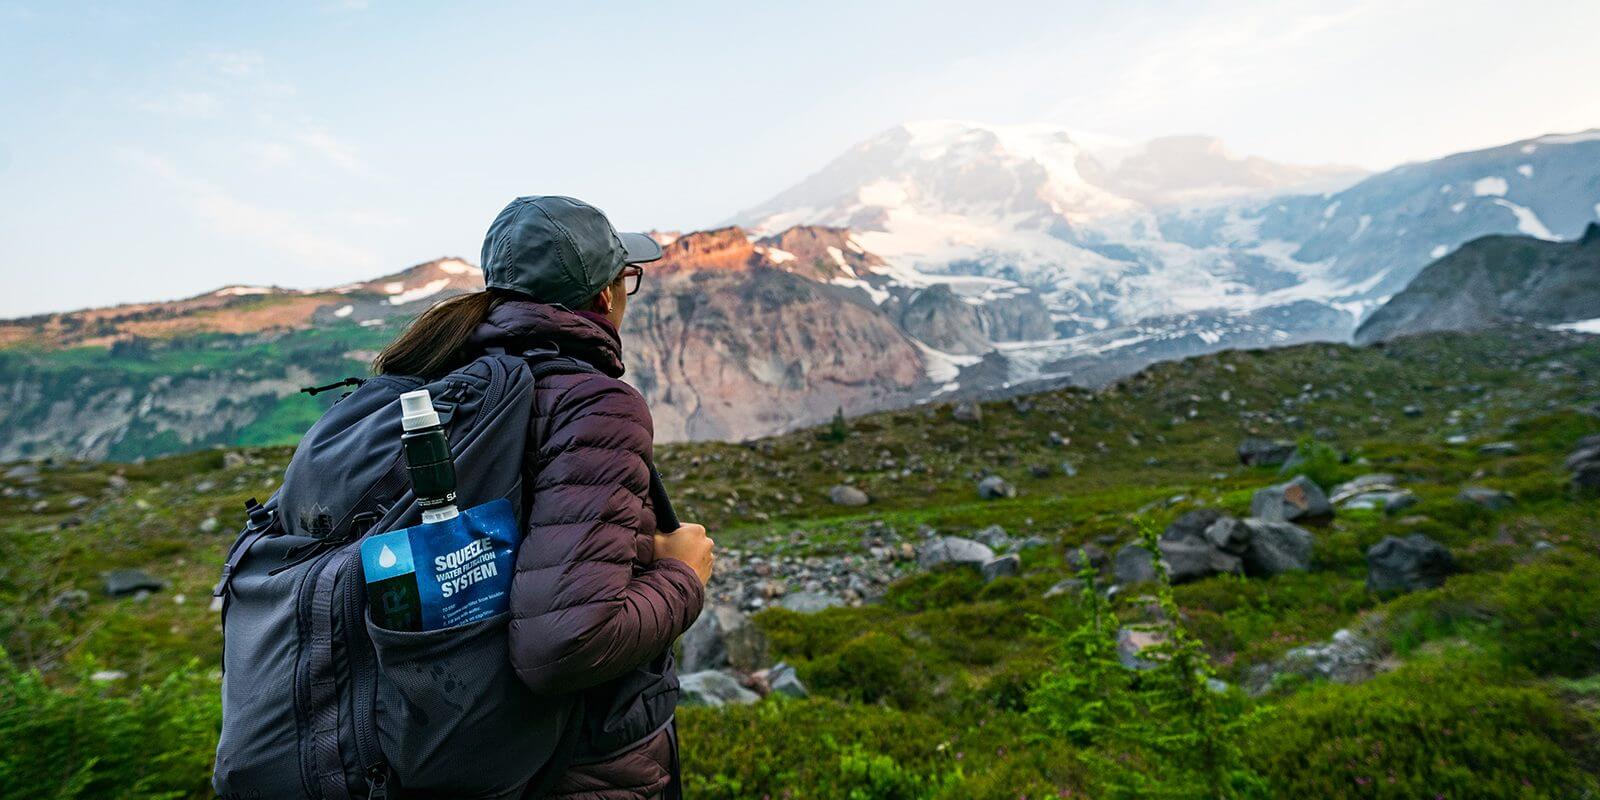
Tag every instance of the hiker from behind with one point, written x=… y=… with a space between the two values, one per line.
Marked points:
x=599 y=594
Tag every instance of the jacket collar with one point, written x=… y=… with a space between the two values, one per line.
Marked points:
x=523 y=325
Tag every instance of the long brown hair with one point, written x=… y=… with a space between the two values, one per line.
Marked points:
x=436 y=342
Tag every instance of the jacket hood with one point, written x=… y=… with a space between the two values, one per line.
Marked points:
x=518 y=325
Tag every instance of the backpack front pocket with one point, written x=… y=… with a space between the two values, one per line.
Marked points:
x=453 y=717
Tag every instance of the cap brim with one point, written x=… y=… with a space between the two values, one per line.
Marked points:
x=638 y=248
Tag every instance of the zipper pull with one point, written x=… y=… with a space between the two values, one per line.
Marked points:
x=377 y=782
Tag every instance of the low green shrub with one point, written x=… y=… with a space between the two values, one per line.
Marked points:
x=1435 y=728
x=1543 y=615
x=872 y=668
x=156 y=743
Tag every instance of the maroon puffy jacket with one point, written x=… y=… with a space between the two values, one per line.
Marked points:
x=592 y=613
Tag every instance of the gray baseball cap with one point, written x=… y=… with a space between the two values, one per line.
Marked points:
x=559 y=250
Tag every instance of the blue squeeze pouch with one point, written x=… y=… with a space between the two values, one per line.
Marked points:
x=442 y=574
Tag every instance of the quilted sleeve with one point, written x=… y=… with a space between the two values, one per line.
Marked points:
x=587 y=602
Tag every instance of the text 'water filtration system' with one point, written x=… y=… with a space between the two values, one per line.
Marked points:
x=454 y=568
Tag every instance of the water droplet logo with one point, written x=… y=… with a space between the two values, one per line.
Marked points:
x=386 y=558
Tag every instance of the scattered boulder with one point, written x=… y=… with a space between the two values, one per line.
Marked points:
x=994 y=536
x=1255 y=452
x=1492 y=499
x=995 y=487
x=124 y=582
x=210 y=525
x=1002 y=567
x=781 y=678
x=1299 y=499
x=968 y=411
x=1346 y=658
x=1407 y=565
x=1193 y=559
x=1375 y=482
x=953 y=550
x=1069 y=586
x=703 y=645
x=1132 y=644
x=1498 y=449
x=1133 y=564
x=232 y=460
x=70 y=601
x=1584 y=464
x=714 y=689
x=1040 y=470
x=1191 y=525
x=809 y=602
x=108 y=676
x=1229 y=535
x=848 y=496
x=1276 y=547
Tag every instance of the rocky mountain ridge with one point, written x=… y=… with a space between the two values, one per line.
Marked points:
x=1497 y=280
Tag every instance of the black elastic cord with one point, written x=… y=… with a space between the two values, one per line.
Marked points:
x=316 y=390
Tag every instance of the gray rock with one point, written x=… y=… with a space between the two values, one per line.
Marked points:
x=809 y=602
x=1366 y=484
x=1193 y=559
x=1299 y=499
x=714 y=689
x=782 y=679
x=1407 y=565
x=1040 y=470
x=1492 y=499
x=125 y=582
x=1412 y=411
x=1276 y=547
x=1229 y=535
x=1346 y=658
x=1069 y=469
x=1002 y=567
x=1498 y=449
x=993 y=536
x=1191 y=525
x=1070 y=586
x=995 y=487
x=77 y=501
x=231 y=460
x=70 y=601
x=1255 y=452
x=968 y=411
x=1133 y=564
x=702 y=643
x=209 y=525
x=953 y=550
x=1133 y=644
x=21 y=471
x=848 y=496
x=108 y=676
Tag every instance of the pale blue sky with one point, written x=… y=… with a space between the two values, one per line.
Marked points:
x=161 y=149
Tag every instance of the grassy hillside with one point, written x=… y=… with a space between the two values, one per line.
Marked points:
x=1488 y=686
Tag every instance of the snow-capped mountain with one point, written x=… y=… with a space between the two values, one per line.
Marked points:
x=1070 y=215
x=1372 y=238
x=1171 y=247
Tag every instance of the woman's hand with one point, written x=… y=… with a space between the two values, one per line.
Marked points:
x=690 y=545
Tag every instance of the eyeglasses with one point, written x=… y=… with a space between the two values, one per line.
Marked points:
x=632 y=277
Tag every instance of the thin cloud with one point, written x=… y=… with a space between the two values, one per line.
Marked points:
x=325 y=145
x=232 y=216
x=182 y=103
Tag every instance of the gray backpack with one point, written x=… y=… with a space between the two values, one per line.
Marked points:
x=317 y=702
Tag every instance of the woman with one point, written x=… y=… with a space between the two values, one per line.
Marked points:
x=599 y=594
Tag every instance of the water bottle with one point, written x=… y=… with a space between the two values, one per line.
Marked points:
x=427 y=451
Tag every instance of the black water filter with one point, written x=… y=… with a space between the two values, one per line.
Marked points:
x=427 y=451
